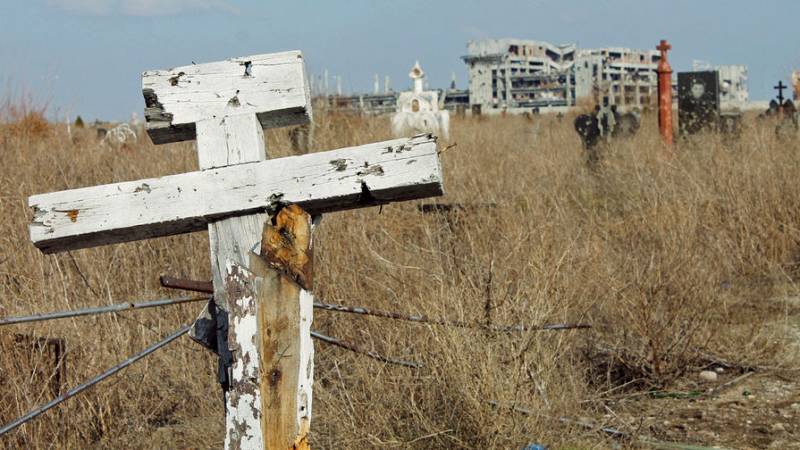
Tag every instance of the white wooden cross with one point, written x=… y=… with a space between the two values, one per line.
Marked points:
x=224 y=106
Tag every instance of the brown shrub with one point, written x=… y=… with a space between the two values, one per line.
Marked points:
x=23 y=118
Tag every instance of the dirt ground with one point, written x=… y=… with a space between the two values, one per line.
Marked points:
x=744 y=408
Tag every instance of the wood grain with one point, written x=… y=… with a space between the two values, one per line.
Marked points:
x=285 y=315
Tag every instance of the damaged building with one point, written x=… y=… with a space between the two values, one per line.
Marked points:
x=516 y=74
x=618 y=76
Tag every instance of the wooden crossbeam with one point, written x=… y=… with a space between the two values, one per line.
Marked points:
x=372 y=174
x=271 y=86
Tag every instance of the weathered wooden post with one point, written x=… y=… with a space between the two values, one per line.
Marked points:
x=664 y=93
x=228 y=103
x=224 y=105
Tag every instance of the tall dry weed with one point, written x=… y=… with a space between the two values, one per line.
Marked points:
x=674 y=260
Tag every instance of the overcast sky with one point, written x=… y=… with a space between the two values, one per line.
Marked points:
x=86 y=56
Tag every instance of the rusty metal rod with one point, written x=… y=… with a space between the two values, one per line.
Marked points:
x=206 y=286
x=119 y=307
x=187 y=285
x=80 y=388
x=356 y=349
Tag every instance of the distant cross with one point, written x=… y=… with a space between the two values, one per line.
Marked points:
x=261 y=265
x=780 y=87
x=664 y=47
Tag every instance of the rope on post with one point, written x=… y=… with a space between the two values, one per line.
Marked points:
x=119 y=307
x=80 y=388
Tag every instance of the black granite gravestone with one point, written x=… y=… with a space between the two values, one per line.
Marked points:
x=698 y=101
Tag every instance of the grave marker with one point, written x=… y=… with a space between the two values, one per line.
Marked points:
x=780 y=87
x=225 y=105
x=418 y=110
x=664 y=71
x=698 y=101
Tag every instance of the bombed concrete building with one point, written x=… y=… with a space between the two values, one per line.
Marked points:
x=514 y=73
x=509 y=74
x=619 y=76
x=796 y=84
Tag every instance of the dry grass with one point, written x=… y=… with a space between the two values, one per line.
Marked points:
x=672 y=259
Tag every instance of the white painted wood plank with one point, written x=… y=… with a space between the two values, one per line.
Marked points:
x=305 y=381
x=372 y=174
x=271 y=86
x=223 y=142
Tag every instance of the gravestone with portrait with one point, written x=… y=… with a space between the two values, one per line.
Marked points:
x=698 y=101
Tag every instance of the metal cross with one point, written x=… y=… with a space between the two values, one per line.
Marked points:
x=780 y=87
x=664 y=46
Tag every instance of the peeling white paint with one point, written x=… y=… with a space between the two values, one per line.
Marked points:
x=246 y=328
x=244 y=417
x=243 y=402
x=306 y=371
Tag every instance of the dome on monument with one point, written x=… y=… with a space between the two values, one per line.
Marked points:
x=416 y=72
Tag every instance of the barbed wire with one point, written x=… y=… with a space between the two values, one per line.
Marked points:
x=205 y=287
x=356 y=349
x=119 y=307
